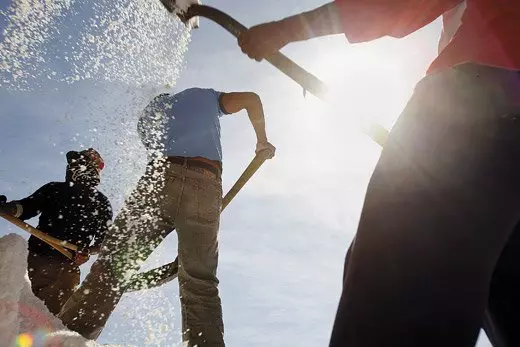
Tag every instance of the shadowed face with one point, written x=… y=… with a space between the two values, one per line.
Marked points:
x=84 y=167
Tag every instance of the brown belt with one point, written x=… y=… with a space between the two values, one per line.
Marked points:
x=212 y=166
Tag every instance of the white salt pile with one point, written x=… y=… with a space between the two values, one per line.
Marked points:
x=24 y=319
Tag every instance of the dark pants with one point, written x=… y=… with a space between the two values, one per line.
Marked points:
x=441 y=205
x=52 y=280
x=502 y=323
x=502 y=317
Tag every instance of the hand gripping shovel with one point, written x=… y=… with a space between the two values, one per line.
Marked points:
x=168 y=272
x=188 y=11
x=60 y=246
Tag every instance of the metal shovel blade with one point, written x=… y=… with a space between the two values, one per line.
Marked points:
x=179 y=7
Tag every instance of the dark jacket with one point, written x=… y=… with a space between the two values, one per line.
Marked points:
x=69 y=211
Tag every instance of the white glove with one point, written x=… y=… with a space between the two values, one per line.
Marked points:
x=267 y=147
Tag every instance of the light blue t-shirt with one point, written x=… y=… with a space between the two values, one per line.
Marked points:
x=185 y=124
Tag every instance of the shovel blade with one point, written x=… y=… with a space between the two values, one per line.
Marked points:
x=179 y=7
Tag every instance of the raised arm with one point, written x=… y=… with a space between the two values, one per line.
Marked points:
x=359 y=20
x=238 y=101
x=29 y=207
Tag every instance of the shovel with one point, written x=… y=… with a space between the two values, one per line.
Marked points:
x=189 y=10
x=168 y=272
x=60 y=246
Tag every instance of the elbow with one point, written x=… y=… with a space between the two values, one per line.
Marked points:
x=253 y=98
x=252 y=101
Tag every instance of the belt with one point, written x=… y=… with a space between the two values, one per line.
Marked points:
x=212 y=166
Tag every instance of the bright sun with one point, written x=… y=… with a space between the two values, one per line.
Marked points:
x=368 y=84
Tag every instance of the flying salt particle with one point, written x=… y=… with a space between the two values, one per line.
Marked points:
x=135 y=42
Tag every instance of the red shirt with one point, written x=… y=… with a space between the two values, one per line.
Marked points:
x=489 y=33
x=451 y=21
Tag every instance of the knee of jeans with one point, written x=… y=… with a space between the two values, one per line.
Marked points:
x=193 y=287
x=197 y=268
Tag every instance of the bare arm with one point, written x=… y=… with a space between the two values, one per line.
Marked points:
x=265 y=39
x=238 y=101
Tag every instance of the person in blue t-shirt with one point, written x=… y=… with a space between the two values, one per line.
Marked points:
x=181 y=189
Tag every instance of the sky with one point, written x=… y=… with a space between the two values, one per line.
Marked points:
x=91 y=66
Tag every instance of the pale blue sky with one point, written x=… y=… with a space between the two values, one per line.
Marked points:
x=284 y=238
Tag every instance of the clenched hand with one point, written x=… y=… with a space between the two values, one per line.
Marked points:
x=263 y=40
x=267 y=148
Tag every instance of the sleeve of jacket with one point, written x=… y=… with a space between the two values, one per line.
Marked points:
x=32 y=205
x=105 y=220
x=369 y=20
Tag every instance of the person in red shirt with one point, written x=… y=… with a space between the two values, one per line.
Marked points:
x=501 y=319
x=444 y=198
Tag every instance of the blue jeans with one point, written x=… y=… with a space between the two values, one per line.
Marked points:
x=441 y=205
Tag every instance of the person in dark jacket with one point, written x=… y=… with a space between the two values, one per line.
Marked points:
x=73 y=211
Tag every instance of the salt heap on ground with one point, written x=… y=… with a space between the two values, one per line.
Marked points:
x=24 y=319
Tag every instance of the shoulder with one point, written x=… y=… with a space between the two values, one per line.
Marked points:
x=215 y=93
x=159 y=99
x=48 y=191
x=101 y=197
x=206 y=100
x=198 y=92
x=102 y=201
x=55 y=184
x=105 y=201
x=53 y=187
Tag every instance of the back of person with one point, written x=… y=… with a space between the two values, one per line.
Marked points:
x=71 y=212
x=191 y=128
